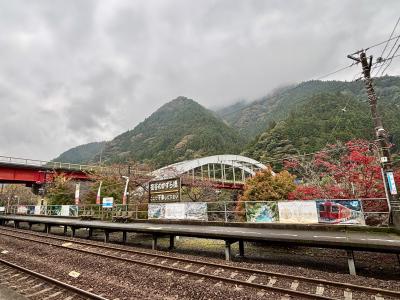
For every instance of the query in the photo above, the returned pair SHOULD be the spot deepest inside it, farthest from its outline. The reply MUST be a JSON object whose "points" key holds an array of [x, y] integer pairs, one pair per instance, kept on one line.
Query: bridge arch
{"points": [[227, 167]]}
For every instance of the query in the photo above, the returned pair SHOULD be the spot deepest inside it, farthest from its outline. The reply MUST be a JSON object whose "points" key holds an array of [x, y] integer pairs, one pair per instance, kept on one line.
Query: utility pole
{"points": [[381, 137]]}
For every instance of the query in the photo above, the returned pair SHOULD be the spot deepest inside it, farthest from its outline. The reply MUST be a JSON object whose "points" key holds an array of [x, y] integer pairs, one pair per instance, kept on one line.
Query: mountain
{"points": [[327, 117], [255, 117], [181, 129], [291, 120], [82, 154]]}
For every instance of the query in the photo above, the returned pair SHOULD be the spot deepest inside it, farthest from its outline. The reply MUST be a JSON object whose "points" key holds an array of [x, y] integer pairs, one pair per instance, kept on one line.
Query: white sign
{"points": [[304, 212], [108, 202], [175, 211], [2, 209], [22, 210], [64, 210], [392, 183], [196, 211]]}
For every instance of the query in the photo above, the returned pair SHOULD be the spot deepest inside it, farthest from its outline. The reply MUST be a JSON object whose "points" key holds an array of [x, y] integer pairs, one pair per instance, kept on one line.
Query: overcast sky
{"points": [[73, 72]]}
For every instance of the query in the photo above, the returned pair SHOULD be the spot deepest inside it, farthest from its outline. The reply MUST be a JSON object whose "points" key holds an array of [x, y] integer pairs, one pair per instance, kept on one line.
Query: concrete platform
{"points": [[9, 294], [347, 240]]}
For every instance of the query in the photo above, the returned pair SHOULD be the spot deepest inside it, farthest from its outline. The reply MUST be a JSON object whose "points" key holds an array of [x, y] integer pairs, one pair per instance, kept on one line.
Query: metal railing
{"points": [[49, 164], [221, 211]]}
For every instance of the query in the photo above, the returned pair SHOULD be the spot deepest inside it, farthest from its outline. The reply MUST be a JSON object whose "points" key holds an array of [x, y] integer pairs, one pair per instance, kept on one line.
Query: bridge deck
{"points": [[347, 240]]}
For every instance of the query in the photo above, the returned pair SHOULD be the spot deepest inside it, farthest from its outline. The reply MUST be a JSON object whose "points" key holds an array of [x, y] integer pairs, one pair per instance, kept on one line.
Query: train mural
{"points": [[340, 211]]}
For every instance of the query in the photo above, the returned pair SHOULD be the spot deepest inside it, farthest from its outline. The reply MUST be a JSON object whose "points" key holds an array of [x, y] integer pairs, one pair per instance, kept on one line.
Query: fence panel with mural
{"points": [[372, 212]]}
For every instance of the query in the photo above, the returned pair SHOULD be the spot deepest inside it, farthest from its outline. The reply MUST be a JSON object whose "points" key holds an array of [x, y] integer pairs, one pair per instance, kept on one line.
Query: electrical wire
{"points": [[384, 49], [391, 59], [298, 85], [375, 45], [394, 29]]}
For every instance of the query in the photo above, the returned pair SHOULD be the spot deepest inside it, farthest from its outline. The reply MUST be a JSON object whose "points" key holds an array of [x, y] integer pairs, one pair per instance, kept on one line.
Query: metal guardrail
{"points": [[49, 164], [221, 211]]}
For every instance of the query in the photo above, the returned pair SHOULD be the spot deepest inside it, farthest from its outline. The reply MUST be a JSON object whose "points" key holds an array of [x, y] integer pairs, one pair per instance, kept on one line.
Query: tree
{"points": [[61, 190], [266, 186], [12, 194], [113, 183], [351, 170], [198, 190]]}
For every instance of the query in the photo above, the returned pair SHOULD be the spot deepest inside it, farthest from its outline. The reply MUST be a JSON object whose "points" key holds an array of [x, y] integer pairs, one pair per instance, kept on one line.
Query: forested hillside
{"points": [[81, 154], [326, 118], [290, 121], [255, 117], [179, 130]]}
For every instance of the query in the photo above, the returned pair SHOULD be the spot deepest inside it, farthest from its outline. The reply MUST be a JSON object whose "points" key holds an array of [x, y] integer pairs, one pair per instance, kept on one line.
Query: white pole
{"points": [[98, 194], [125, 190]]}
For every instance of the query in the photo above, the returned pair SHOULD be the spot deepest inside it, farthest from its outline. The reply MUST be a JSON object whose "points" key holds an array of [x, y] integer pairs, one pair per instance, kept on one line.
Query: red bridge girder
{"points": [[26, 174], [13, 173]]}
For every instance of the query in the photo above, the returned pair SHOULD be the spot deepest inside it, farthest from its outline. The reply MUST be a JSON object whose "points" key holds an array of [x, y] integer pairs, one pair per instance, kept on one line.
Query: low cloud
{"points": [[75, 71]]}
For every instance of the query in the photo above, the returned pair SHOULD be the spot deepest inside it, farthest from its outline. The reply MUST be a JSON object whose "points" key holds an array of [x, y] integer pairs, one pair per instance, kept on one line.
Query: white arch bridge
{"points": [[224, 171]]}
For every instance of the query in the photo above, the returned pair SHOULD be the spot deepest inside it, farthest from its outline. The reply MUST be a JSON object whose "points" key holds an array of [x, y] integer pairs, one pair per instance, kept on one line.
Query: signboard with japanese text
{"points": [[166, 190], [108, 202], [391, 182]]}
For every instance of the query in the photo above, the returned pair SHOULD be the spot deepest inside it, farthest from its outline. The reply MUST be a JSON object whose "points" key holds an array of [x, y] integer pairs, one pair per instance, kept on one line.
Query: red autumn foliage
{"points": [[341, 172]]}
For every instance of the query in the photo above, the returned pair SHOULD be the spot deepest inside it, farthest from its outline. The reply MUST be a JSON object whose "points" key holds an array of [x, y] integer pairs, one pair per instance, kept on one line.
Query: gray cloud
{"points": [[78, 71]]}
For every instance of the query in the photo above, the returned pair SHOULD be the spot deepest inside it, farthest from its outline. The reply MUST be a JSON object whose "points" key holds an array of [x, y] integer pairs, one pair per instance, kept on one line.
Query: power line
{"points": [[391, 59], [311, 153], [384, 49], [394, 29], [298, 85], [375, 45]]}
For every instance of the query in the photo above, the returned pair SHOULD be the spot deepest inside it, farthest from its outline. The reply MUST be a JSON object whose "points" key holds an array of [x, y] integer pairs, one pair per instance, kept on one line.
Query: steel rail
{"points": [[356, 288], [226, 266], [197, 274], [59, 283]]}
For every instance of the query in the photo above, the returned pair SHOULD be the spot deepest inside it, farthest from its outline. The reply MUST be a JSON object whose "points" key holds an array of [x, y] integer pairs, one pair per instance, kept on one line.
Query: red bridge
{"points": [[35, 173]]}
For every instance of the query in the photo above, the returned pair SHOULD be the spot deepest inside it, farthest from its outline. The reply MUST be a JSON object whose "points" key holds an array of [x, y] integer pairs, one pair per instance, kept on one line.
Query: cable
{"points": [[375, 45], [391, 59], [394, 29], [311, 153], [298, 85], [337, 71]]}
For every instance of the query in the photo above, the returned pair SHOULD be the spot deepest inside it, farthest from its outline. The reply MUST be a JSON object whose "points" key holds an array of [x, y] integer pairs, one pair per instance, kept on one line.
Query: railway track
{"points": [[34, 285], [279, 283]]}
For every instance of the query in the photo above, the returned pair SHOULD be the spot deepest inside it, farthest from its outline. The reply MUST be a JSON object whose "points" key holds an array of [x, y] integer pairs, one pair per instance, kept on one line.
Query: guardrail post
{"points": [[226, 216], [90, 233], [227, 250], [106, 236], [73, 229], [241, 248], [154, 242], [350, 261], [171, 242], [124, 237]]}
